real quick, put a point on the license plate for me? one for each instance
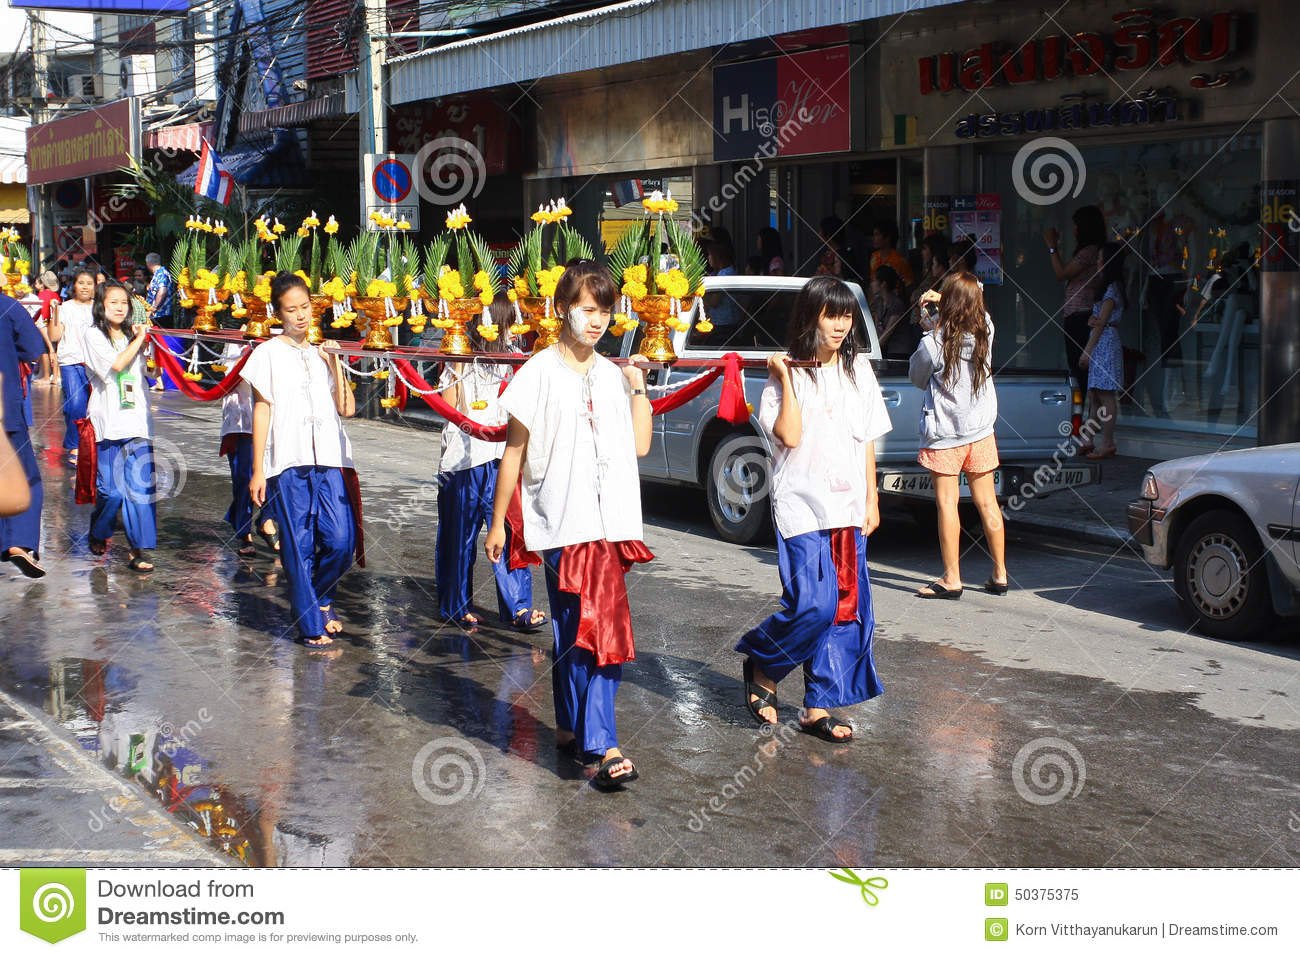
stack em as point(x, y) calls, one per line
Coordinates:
point(1060, 478)
point(921, 484)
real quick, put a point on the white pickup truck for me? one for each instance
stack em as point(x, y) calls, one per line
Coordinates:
point(692, 446)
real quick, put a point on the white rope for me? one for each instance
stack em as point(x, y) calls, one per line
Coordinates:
point(674, 386)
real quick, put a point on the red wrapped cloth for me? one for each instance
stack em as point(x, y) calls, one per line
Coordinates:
point(353, 485)
point(520, 556)
point(229, 442)
point(192, 389)
point(594, 572)
point(844, 549)
point(87, 462)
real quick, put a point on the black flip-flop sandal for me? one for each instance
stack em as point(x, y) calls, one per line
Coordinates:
point(824, 728)
point(609, 782)
point(996, 588)
point(938, 591)
point(137, 563)
point(766, 699)
point(272, 539)
point(26, 564)
point(523, 621)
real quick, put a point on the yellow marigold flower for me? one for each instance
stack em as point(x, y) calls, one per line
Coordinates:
point(187, 303)
point(750, 407)
point(486, 297)
point(617, 330)
point(381, 375)
point(521, 286)
point(193, 376)
point(699, 290)
point(304, 232)
point(519, 328)
point(704, 327)
point(635, 273)
point(388, 403)
point(331, 225)
point(403, 224)
point(239, 312)
point(458, 218)
point(216, 307)
point(217, 367)
point(631, 323)
point(635, 290)
point(512, 295)
point(478, 405)
point(481, 280)
point(540, 216)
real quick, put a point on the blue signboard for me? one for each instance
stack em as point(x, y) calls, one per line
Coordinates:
point(178, 7)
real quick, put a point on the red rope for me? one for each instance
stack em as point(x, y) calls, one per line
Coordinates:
point(192, 389)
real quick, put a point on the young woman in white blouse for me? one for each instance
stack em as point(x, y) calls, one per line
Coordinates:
point(577, 425)
point(69, 322)
point(300, 393)
point(118, 411)
point(467, 479)
point(237, 449)
point(823, 422)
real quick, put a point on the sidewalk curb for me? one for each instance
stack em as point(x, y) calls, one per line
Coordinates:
point(173, 844)
point(1070, 528)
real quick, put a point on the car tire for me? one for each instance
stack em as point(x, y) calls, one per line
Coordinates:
point(738, 490)
point(1220, 577)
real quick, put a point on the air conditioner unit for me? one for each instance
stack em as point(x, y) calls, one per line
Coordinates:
point(139, 74)
point(85, 86)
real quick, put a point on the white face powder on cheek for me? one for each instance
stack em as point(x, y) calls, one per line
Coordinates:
point(577, 324)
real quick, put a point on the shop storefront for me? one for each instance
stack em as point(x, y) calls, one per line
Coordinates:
point(1164, 124)
point(73, 160)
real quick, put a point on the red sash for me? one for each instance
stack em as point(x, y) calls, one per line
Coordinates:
point(594, 572)
point(845, 552)
point(87, 463)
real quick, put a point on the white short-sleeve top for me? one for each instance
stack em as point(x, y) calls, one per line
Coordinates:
point(822, 483)
point(110, 418)
point(305, 425)
point(479, 384)
point(580, 477)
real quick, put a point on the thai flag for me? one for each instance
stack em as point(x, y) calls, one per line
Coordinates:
point(627, 191)
point(212, 180)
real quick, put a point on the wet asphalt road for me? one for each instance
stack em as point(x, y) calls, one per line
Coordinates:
point(1074, 722)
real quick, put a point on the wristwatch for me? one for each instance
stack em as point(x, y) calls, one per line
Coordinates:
point(1051, 250)
point(638, 391)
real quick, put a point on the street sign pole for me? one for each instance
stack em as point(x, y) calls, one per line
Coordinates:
point(373, 118)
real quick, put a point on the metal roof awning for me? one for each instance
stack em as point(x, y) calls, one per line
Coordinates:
point(292, 115)
point(13, 169)
point(618, 33)
point(15, 217)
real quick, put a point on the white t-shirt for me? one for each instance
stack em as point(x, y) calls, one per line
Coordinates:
point(478, 383)
point(77, 321)
point(237, 406)
point(822, 483)
point(305, 426)
point(580, 478)
point(105, 411)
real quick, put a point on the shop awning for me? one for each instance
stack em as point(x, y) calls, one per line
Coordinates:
point(292, 115)
point(187, 137)
point(15, 217)
point(13, 169)
point(274, 165)
point(617, 33)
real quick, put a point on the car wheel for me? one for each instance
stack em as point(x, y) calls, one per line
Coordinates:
point(1220, 577)
point(738, 490)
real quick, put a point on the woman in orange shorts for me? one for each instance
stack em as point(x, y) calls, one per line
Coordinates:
point(953, 365)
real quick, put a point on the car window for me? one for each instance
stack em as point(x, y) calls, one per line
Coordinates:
point(745, 319)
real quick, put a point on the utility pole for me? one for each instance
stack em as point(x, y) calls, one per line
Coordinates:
point(42, 224)
point(374, 109)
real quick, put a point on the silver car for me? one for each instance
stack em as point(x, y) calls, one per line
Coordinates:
point(1228, 524)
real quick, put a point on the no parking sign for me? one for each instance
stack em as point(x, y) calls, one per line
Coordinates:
point(390, 187)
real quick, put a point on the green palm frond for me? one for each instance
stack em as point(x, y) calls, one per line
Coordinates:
point(688, 252)
point(484, 261)
point(575, 244)
point(288, 256)
point(435, 257)
point(180, 256)
point(251, 260)
point(627, 252)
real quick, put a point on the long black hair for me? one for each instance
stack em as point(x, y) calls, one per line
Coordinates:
point(100, 318)
point(1091, 226)
point(769, 244)
point(1112, 268)
point(823, 296)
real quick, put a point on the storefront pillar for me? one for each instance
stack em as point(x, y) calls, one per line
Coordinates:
point(1279, 345)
